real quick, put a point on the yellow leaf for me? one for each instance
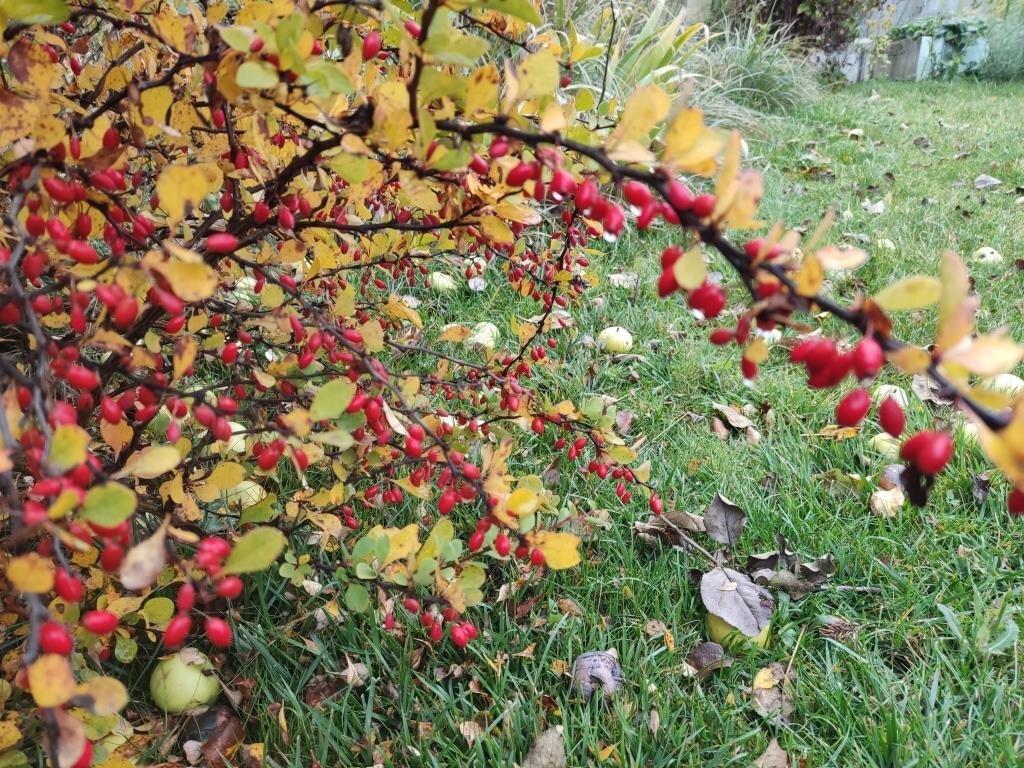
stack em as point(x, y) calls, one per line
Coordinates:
point(456, 333)
point(496, 230)
point(809, 277)
point(31, 573)
point(223, 478)
point(482, 90)
point(9, 735)
point(189, 278)
point(537, 75)
point(151, 462)
point(561, 550)
point(51, 680)
point(68, 447)
point(756, 351)
point(835, 258)
point(402, 542)
point(373, 336)
point(909, 293)
point(987, 355)
point(690, 270)
point(103, 696)
point(690, 145)
point(956, 308)
point(643, 111)
point(910, 359)
point(180, 186)
point(185, 351)
point(117, 436)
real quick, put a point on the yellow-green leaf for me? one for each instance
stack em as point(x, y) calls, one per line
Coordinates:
point(909, 293)
point(690, 270)
point(68, 447)
point(256, 74)
point(331, 400)
point(108, 504)
point(152, 462)
point(255, 551)
point(102, 696)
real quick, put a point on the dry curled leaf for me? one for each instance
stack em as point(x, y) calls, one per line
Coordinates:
point(708, 657)
point(733, 416)
point(597, 670)
point(782, 569)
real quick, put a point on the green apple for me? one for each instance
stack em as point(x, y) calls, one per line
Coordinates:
point(726, 635)
point(615, 339)
point(183, 681)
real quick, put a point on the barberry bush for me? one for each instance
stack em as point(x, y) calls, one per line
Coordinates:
point(219, 221)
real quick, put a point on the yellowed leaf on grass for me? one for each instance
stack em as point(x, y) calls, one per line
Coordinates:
point(373, 336)
point(910, 359)
point(185, 350)
point(51, 680)
point(102, 696)
point(456, 333)
point(910, 293)
point(144, 561)
point(496, 230)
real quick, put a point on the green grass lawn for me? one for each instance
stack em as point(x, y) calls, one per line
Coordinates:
point(908, 686)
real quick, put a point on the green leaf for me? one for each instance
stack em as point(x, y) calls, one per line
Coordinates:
point(236, 38)
point(453, 47)
point(365, 571)
point(263, 512)
point(36, 11)
point(325, 78)
point(357, 598)
point(255, 551)
point(158, 611)
point(521, 9)
point(108, 505)
point(332, 399)
point(125, 649)
point(256, 74)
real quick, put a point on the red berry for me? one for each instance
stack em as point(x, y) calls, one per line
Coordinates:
point(178, 630)
point(476, 541)
point(537, 557)
point(459, 637)
point(721, 336)
point(934, 452)
point(502, 545)
point(703, 206)
point(55, 638)
point(537, 425)
point(708, 299)
point(680, 195)
point(82, 378)
point(867, 358)
point(99, 622)
point(68, 587)
point(85, 760)
point(637, 194)
point(853, 407)
point(230, 587)
point(446, 503)
point(218, 632)
point(667, 283)
point(1015, 502)
point(655, 504)
point(222, 242)
point(411, 604)
point(186, 597)
point(891, 417)
point(111, 557)
point(371, 45)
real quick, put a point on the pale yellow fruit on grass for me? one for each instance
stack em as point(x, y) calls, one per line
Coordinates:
point(725, 634)
point(1004, 383)
point(888, 390)
point(441, 283)
point(887, 445)
point(246, 494)
point(484, 335)
point(183, 681)
point(988, 255)
point(615, 339)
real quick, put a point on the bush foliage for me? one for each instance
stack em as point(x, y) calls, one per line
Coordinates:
point(216, 215)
